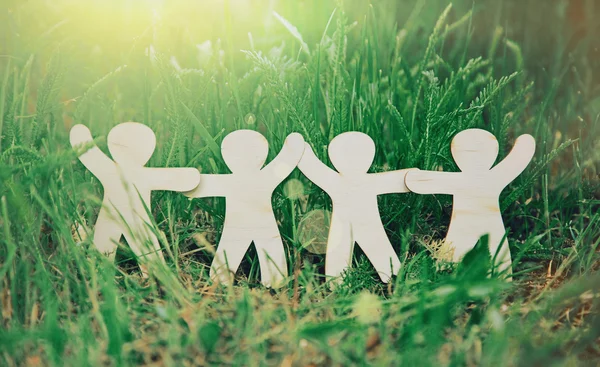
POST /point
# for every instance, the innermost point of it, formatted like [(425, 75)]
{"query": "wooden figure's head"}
[(352, 152), (131, 143), (474, 150), (244, 151)]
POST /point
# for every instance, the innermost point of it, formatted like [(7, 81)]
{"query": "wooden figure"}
[(127, 187), (249, 213), (476, 190), (353, 191)]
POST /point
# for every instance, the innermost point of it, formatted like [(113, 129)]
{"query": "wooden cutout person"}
[(127, 187), (476, 190), (353, 191), (249, 213)]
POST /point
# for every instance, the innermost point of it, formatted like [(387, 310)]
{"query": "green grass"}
[(411, 74)]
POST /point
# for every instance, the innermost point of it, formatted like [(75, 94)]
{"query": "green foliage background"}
[(411, 74)]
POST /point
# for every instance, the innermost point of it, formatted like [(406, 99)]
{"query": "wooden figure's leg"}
[(107, 234), (461, 247), (272, 260), (375, 243), (462, 244), (157, 250), (229, 255), (147, 238), (503, 260), (498, 239), (340, 245), (143, 246), (460, 239)]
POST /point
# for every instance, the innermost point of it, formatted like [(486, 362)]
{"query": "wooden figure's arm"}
[(287, 160), (316, 171), (516, 161), (433, 182), (93, 159), (391, 182), (173, 179), (210, 186)]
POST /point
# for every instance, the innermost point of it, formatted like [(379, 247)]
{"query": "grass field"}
[(411, 74)]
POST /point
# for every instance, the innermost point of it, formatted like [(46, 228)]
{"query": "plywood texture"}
[(353, 191), (127, 186), (249, 213), (476, 190)]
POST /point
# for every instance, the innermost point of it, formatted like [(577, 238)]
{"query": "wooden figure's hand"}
[(392, 181), (173, 179), (431, 182), (79, 135), (287, 160), (93, 159), (516, 161), (211, 185), (316, 171)]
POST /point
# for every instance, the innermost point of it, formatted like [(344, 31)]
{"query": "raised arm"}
[(516, 161), (433, 182), (316, 171), (210, 186), (284, 163), (391, 182), (93, 158), (173, 179)]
